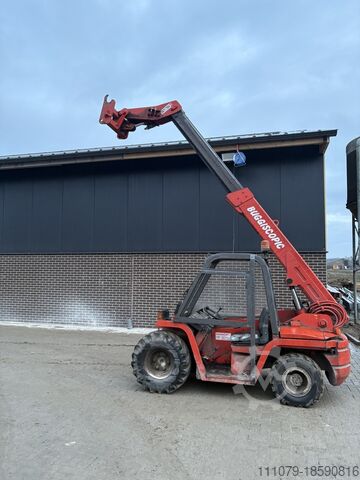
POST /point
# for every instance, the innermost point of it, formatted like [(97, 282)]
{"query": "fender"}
[(169, 325)]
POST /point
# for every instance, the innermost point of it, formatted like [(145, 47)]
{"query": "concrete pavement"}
[(70, 408)]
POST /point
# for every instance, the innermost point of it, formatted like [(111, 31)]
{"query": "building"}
[(106, 237)]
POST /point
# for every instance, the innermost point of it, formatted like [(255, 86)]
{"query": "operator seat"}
[(261, 337)]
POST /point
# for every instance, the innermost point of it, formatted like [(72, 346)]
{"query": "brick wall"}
[(107, 289)]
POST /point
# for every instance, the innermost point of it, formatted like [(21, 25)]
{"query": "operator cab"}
[(234, 291)]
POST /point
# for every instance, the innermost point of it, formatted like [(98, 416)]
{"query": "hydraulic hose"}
[(334, 310)]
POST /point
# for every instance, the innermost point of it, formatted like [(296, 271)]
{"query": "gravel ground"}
[(70, 409)]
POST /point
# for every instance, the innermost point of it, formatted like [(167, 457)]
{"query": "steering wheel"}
[(209, 312)]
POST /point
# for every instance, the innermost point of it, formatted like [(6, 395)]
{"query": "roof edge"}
[(258, 141)]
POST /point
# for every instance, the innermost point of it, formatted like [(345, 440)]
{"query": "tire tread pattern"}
[(318, 390), (182, 361)]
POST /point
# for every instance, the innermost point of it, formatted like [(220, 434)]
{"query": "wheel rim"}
[(158, 363), (296, 381)]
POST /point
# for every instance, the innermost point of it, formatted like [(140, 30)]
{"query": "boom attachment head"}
[(126, 120)]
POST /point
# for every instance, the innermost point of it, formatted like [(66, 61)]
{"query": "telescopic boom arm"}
[(298, 272)]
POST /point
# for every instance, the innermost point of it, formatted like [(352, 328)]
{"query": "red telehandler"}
[(293, 346)]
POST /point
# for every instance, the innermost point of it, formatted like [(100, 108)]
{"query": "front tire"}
[(297, 380), (161, 362)]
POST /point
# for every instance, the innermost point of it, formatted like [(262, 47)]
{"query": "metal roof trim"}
[(68, 155)]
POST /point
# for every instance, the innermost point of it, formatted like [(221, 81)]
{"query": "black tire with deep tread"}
[(316, 376), (179, 351)]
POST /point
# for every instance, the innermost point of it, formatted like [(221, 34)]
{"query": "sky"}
[(236, 66)]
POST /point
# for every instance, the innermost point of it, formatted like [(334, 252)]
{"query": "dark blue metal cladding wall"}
[(158, 205)]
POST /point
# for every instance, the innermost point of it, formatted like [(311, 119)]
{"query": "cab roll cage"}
[(209, 268)]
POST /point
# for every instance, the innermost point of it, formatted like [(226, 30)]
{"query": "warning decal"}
[(223, 336)]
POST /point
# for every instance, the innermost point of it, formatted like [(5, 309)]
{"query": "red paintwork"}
[(212, 351), (126, 120)]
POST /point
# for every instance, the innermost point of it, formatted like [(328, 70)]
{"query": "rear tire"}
[(297, 380), (161, 362)]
